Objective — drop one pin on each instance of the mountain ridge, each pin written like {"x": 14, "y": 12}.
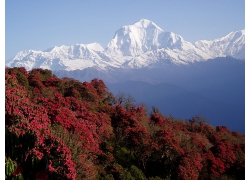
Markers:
{"x": 142, "y": 44}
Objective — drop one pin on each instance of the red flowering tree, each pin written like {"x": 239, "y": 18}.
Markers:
{"x": 27, "y": 133}
{"x": 190, "y": 166}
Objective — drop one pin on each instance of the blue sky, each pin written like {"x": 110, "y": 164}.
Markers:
{"x": 43, "y": 24}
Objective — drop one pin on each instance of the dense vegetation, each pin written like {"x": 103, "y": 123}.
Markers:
{"x": 65, "y": 129}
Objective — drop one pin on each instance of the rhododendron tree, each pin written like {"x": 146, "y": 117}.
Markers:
{"x": 27, "y": 128}
{"x": 190, "y": 165}
{"x": 66, "y": 129}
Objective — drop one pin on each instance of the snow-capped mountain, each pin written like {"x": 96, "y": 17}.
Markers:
{"x": 136, "y": 39}
{"x": 142, "y": 44}
{"x": 232, "y": 44}
{"x": 78, "y": 56}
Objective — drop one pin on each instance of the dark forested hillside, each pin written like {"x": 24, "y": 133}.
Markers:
{"x": 66, "y": 129}
{"x": 214, "y": 89}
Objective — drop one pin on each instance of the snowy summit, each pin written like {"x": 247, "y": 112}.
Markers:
{"x": 142, "y": 44}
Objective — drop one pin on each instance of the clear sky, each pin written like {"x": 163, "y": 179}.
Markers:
{"x": 42, "y": 24}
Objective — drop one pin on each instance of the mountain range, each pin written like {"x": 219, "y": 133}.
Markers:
{"x": 142, "y": 44}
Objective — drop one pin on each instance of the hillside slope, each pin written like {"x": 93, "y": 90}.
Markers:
{"x": 67, "y": 129}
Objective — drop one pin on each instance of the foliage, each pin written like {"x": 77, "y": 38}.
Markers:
{"x": 65, "y": 129}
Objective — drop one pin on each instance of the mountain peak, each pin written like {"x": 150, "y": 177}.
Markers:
{"x": 95, "y": 46}
{"x": 145, "y": 23}
{"x": 135, "y": 39}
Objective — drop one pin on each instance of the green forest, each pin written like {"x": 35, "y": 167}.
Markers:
{"x": 61, "y": 128}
